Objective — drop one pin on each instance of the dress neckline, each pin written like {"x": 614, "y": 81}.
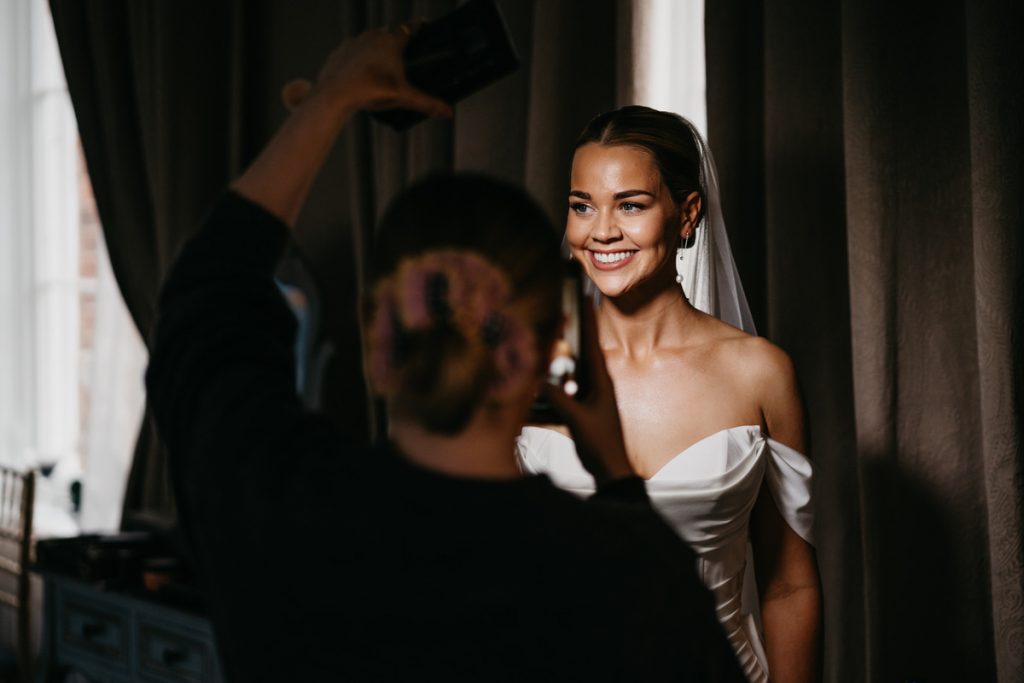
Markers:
{"x": 681, "y": 453}
{"x": 698, "y": 442}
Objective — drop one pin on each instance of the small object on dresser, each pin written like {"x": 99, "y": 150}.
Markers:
{"x": 159, "y": 572}
{"x": 111, "y": 558}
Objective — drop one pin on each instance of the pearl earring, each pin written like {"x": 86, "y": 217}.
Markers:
{"x": 681, "y": 254}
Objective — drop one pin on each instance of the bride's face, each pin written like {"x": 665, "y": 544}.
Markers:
{"x": 623, "y": 225}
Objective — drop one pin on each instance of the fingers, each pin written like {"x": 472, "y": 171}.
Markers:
{"x": 368, "y": 70}
{"x": 564, "y": 405}
{"x": 409, "y": 97}
{"x": 594, "y": 357}
{"x": 295, "y": 92}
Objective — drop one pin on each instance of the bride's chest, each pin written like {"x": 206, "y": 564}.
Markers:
{"x": 666, "y": 407}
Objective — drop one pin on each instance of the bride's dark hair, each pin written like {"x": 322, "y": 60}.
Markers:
{"x": 663, "y": 135}
{"x": 441, "y": 371}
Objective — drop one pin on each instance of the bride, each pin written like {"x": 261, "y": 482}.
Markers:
{"x": 712, "y": 415}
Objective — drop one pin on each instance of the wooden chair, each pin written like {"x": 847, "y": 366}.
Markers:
{"x": 17, "y": 491}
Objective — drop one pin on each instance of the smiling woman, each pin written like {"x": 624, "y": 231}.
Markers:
{"x": 711, "y": 414}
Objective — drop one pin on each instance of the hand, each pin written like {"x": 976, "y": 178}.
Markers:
{"x": 594, "y": 421}
{"x": 367, "y": 72}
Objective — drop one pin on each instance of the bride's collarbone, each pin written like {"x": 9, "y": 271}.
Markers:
{"x": 665, "y": 413}
{"x": 674, "y": 385}
{"x": 672, "y": 398}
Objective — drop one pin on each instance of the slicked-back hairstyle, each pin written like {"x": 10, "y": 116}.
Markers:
{"x": 663, "y": 135}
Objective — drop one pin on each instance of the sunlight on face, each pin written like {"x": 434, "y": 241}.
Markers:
{"x": 623, "y": 225}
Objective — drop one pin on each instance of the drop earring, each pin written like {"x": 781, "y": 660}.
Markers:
{"x": 680, "y": 256}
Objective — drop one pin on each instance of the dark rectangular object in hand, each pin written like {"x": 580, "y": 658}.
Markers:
{"x": 454, "y": 56}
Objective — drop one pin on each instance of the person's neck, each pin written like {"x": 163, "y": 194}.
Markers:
{"x": 643, "y": 320}
{"x": 484, "y": 449}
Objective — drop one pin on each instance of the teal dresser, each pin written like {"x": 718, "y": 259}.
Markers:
{"x": 119, "y": 637}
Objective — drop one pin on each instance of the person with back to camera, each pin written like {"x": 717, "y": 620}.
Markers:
{"x": 430, "y": 556}
{"x": 711, "y": 414}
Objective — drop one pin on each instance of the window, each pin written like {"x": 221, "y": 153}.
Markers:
{"x": 71, "y": 398}
{"x": 668, "y": 65}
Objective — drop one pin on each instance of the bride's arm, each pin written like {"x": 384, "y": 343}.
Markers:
{"x": 787, "y": 570}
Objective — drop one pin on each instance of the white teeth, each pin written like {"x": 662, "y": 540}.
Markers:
{"x": 611, "y": 257}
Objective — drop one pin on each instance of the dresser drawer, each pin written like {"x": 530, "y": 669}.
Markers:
{"x": 108, "y": 636}
{"x": 171, "y": 653}
{"x": 94, "y": 630}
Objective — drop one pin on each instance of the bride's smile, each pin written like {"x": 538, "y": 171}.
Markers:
{"x": 610, "y": 260}
{"x": 623, "y": 225}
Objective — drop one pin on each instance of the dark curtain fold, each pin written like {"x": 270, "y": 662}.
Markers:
{"x": 881, "y": 148}
{"x": 173, "y": 99}
{"x": 995, "y": 83}
{"x": 154, "y": 91}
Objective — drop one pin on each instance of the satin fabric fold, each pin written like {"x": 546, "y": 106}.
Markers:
{"x": 706, "y": 493}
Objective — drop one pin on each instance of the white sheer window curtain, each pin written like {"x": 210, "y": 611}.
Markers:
{"x": 668, "y": 60}
{"x": 70, "y": 359}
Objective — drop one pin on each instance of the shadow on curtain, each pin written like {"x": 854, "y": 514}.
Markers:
{"x": 872, "y": 157}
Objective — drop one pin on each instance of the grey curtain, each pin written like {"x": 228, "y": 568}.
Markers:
{"x": 173, "y": 99}
{"x": 870, "y": 160}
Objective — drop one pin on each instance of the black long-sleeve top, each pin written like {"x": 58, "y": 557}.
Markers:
{"x": 323, "y": 561}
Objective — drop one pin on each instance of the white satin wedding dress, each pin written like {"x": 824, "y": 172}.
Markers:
{"x": 706, "y": 493}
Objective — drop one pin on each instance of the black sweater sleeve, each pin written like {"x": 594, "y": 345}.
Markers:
{"x": 223, "y": 335}
{"x": 246, "y": 462}
{"x": 624, "y": 490}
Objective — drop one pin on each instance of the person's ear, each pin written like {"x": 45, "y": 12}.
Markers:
{"x": 689, "y": 212}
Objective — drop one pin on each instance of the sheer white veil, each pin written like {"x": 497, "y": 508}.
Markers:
{"x": 707, "y": 271}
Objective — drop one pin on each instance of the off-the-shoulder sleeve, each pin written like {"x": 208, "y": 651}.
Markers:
{"x": 789, "y": 475}
{"x": 546, "y": 451}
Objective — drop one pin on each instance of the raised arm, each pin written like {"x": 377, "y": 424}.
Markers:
{"x": 221, "y": 374}
{"x": 787, "y": 570}
{"x": 365, "y": 72}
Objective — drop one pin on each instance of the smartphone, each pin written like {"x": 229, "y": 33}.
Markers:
{"x": 567, "y": 365}
{"x": 454, "y": 56}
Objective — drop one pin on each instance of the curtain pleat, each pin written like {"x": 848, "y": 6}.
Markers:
{"x": 891, "y": 224}
{"x": 995, "y": 83}
{"x": 151, "y": 88}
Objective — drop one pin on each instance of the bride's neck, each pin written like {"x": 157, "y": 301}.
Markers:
{"x": 639, "y": 324}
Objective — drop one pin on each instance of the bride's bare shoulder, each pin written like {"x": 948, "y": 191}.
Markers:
{"x": 755, "y": 358}
{"x": 767, "y": 373}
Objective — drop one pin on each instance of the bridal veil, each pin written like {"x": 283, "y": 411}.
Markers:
{"x": 706, "y": 268}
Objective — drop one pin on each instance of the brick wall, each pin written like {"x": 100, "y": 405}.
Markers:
{"x": 89, "y": 236}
